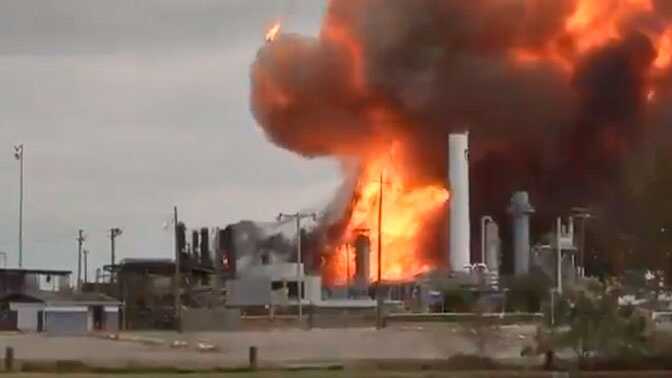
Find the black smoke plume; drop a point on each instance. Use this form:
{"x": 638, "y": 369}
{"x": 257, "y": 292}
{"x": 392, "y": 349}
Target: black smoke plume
{"x": 437, "y": 65}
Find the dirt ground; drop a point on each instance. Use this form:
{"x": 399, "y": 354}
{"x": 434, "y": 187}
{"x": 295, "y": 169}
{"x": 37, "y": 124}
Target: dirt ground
{"x": 426, "y": 341}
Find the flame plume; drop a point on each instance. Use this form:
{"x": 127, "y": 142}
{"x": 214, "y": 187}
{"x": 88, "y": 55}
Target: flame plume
{"x": 273, "y": 32}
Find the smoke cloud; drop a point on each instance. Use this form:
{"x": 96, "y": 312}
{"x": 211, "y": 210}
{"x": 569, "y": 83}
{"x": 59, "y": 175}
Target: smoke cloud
{"x": 563, "y": 125}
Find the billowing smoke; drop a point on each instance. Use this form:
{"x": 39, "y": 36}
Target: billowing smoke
{"x": 556, "y": 105}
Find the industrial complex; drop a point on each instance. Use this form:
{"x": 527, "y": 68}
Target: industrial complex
{"x": 249, "y": 270}
{"x": 337, "y": 184}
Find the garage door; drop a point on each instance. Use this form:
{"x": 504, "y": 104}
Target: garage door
{"x": 66, "y": 323}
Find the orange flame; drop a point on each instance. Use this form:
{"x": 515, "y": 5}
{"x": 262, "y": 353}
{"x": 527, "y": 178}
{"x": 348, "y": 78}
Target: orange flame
{"x": 594, "y": 23}
{"x": 664, "y": 58}
{"x": 406, "y": 209}
{"x": 273, "y": 32}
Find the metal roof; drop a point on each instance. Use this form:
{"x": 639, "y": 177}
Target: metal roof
{"x": 36, "y": 271}
{"x": 59, "y": 298}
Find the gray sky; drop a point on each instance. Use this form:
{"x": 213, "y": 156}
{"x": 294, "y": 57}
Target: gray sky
{"x": 128, "y": 107}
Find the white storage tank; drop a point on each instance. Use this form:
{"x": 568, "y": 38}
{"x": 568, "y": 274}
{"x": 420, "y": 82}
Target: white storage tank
{"x": 459, "y": 246}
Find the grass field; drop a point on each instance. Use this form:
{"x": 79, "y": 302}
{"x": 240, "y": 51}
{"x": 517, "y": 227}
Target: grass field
{"x": 311, "y": 374}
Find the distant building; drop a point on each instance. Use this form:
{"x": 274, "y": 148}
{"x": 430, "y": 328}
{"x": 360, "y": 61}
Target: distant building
{"x": 273, "y": 284}
{"x": 17, "y": 281}
{"x": 64, "y": 313}
{"x": 34, "y": 300}
{"x": 146, "y": 287}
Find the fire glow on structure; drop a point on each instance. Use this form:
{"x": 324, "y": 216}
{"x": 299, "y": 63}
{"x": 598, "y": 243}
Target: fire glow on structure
{"x": 406, "y": 209}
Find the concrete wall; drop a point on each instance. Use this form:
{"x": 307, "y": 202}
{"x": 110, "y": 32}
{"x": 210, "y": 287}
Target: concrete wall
{"x": 276, "y": 272}
{"x": 219, "y": 319}
{"x": 249, "y": 292}
{"x": 27, "y": 315}
{"x": 66, "y": 321}
{"x": 111, "y": 319}
{"x": 313, "y": 289}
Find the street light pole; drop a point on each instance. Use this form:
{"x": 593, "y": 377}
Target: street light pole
{"x": 299, "y": 271}
{"x": 18, "y": 154}
{"x": 177, "y": 285}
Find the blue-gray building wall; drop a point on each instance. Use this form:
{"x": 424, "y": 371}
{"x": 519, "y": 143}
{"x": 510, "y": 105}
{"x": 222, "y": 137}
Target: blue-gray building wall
{"x": 66, "y": 323}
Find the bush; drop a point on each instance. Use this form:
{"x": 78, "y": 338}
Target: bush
{"x": 597, "y": 327}
{"x": 459, "y": 300}
{"x": 471, "y": 362}
{"x": 527, "y": 293}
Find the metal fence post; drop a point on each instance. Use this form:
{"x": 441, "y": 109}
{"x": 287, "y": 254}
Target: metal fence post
{"x": 9, "y": 359}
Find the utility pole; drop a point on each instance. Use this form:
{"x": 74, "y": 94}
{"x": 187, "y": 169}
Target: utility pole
{"x": 114, "y": 232}
{"x": 86, "y": 265}
{"x": 178, "y": 277}
{"x": 347, "y": 271}
{"x": 558, "y": 235}
{"x": 299, "y": 268}
{"x": 80, "y": 243}
{"x": 18, "y": 154}
{"x": 379, "y": 294}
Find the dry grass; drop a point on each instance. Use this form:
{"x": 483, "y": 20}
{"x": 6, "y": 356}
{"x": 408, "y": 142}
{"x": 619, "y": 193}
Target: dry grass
{"x": 358, "y": 374}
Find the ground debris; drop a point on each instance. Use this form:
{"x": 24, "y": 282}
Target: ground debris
{"x": 204, "y": 347}
{"x": 179, "y": 344}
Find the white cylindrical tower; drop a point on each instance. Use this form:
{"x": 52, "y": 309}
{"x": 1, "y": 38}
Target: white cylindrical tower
{"x": 458, "y": 175}
{"x": 492, "y": 246}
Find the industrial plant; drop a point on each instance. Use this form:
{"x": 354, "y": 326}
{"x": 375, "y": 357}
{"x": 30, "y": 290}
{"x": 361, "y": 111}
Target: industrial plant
{"x": 462, "y": 177}
{"x": 221, "y": 276}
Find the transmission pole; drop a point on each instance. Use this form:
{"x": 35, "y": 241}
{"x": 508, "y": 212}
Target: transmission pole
{"x": 114, "y": 232}
{"x": 80, "y": 243}
{"x": 299, "y": 271}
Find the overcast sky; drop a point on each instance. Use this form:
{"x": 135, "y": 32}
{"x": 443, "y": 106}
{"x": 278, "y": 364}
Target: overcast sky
{"x": 129, "y": 107}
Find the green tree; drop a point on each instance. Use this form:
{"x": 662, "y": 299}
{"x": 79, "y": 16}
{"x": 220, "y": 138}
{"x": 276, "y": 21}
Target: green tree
{"x": 597, "y": 327}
